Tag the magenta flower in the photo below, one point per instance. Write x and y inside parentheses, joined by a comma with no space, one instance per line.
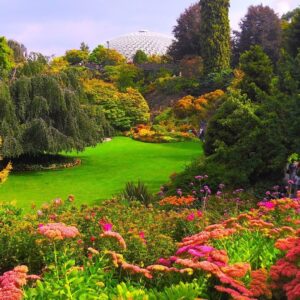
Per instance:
(199,213)
(195,253)
(107,226)
(268,204)
(205,249)
(190,217)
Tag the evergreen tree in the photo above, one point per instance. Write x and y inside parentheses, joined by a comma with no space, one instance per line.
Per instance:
(258,73)
(293,34)
(215,35)
(140,57)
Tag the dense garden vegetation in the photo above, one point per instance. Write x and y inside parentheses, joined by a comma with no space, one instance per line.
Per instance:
(227,227)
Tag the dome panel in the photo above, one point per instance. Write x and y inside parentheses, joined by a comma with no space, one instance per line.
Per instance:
(149,42)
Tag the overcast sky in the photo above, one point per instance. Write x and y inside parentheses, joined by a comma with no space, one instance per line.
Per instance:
(52,26)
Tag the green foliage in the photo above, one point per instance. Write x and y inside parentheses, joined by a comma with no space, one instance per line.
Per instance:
(292,34)
(174,85)
(137,192)
(248,140)
(35,64)
(187,33)
(215,35)
(122,110)
(9,128)
(215,81)
(6,57)
(103,56)
(140,57)
(258,71)
(250,246)
(19,51)
(260,26)
(75,57)
(123,76)
(89,282)
(43,114)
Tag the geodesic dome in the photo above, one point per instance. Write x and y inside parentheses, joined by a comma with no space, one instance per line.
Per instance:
(149,42)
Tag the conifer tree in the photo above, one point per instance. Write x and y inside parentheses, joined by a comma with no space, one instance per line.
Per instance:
(215,35)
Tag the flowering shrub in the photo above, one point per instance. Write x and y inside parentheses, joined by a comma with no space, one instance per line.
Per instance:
(118,249)
(202,106)
(11,283)
(285,273)
(160,134)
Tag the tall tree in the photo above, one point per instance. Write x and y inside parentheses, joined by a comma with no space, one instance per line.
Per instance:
(293,34)
(187,33)
(258,73)
(215,35)
(260,26)
(20,51)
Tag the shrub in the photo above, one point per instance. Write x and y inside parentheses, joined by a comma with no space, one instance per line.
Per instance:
(137,192)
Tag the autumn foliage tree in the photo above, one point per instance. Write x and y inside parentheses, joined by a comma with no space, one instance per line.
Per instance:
(260,26)
(187,33)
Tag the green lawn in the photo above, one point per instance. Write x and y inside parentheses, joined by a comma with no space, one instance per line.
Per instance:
(104,171)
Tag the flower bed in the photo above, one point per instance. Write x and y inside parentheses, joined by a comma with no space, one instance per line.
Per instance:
(136,252)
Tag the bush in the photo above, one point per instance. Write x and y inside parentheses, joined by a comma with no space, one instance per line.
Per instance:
(137,192)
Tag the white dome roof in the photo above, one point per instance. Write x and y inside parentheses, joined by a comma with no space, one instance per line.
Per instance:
(149,42)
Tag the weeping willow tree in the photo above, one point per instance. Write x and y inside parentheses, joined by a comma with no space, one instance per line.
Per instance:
(42,114)
(5,171)
(50,116)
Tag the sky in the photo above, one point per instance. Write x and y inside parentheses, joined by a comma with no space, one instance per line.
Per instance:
(53,26)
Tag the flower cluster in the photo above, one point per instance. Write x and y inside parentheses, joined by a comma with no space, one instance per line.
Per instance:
(177,201)
(285,273)
(11,283)
(58,231)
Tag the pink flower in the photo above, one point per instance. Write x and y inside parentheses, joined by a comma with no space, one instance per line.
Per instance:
(190,217)
(58,231)
(199,213)
(57,201)
(107,227)
(268,204)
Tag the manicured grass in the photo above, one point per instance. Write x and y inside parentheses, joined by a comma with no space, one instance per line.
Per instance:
(104,171)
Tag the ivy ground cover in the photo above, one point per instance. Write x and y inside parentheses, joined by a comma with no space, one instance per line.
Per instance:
(104,171)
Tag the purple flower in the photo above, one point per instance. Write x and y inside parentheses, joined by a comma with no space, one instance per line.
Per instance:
(198,177)
(179,192)
(219,194)
(290,182)
(268,193)
(221,186)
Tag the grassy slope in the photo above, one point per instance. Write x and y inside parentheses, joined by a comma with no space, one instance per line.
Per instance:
(104,171)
